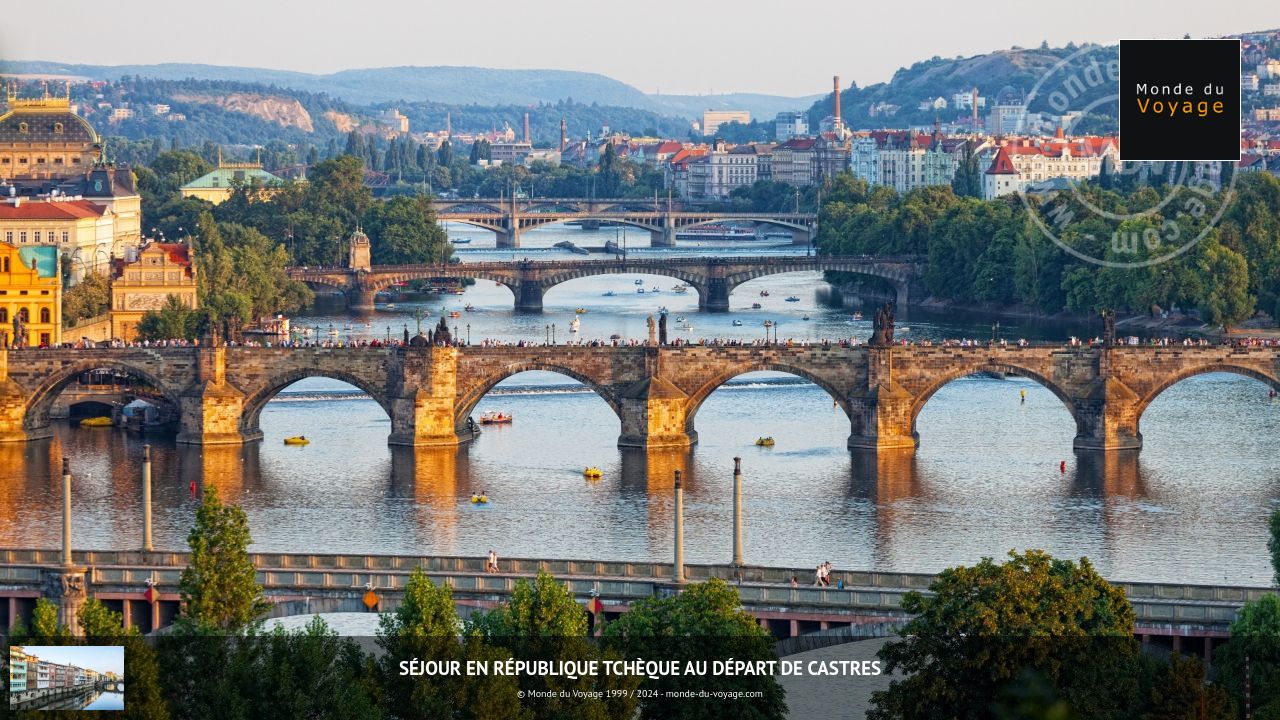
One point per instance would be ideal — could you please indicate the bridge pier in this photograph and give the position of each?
(422, 413)
(1107, 417)
(360, 298)
(882, 419)
(210, 411)
(664, 237)
(802, 237)
(529, 297)
(654, 416)
(714, 296)
(13, 404)
(509, 237)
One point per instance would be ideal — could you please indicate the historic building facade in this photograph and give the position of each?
(146, 282)
(30, 296)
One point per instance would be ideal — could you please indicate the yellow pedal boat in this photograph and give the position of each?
(297, 440)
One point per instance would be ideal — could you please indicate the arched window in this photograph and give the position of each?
(45, 316)
(4, 315)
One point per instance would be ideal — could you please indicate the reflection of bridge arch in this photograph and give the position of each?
(257, 399)
(699, 396)
(1216, 367)
(40, 402)
(470, 397)
(922, 397)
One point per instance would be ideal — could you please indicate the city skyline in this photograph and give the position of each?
(101, 658)
(878, 41)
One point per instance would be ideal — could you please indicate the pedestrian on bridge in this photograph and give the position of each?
(492, 566)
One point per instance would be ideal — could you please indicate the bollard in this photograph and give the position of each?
(737, 513)
(677, 568)
(66, 511)
(146, 499)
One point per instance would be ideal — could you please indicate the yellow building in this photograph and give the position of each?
(145, 283)
(30, 296)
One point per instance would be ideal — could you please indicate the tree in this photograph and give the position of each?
(987, 625)
(87, 299)
(967, 181)
(426, 626)
(1253, 645)
(1180, 691)
(44, 622)
(1273, 543)
(173, 321)
(219, 586)
(705, 622)
(404, 230)
(542, 621)
(101, 626)
(1225, 299)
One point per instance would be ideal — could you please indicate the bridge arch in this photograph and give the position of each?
(256, 400)
(472, 396)
(699, 396)
(922, 397)
(41, 400)
(1205, 369)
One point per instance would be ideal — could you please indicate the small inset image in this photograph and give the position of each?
(66, 677)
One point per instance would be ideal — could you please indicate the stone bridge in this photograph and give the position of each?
(713, 278)
(430, 392)
(507, 218)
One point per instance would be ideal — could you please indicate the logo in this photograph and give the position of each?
(1128, 213)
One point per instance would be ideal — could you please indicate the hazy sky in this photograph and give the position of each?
(681, 46)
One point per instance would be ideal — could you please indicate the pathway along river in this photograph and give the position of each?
(1191, 508)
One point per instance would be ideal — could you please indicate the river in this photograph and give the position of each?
(1192, 507)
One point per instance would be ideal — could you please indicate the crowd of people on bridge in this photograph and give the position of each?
(682, 342)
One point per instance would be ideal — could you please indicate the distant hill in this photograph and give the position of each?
(1016, 69)
(437, 85)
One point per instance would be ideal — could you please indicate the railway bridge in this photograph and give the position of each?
(656, 391)
(713, 278)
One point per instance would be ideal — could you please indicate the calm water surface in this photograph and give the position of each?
(1191, 508)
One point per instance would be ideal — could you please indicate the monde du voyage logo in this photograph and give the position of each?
(1180, 100)
(1179, 111)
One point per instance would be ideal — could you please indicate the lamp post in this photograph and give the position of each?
(66, 512)
(677, 567)
(468, 333)
(553, 333)
(146, 499)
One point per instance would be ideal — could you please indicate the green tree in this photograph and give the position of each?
(1273, 543)
(985, 626)
(87, 299)
(542, 621)
(426, 627)
(1225, 299)
(219, 586)
(1254, 644)
(967, 181)
(101, 626)
(1181, 693)
(704, 622)
(404, 230)
(173, 321)
(45, 625)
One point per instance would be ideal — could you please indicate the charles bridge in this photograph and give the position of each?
(430, 392)
(508, 217)
(714, 278)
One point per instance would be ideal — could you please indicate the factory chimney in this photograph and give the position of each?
(835, 83)
(526, 127)
(563, 135)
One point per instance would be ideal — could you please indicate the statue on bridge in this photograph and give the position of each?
(1108, 328)
(442, 335)
(653, 331)
(662, 329)
(19, 329)
(882, 326)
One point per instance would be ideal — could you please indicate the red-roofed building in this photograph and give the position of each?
(81, 230)
(145, 282)
(1001, 178)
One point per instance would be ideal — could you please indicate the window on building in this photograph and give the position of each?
(22, 127)
(22, 236)
(57, 128)
(8, 236)
(4, 314)
(66, 237)
(37, 238)
(44, 338)
(45, 316)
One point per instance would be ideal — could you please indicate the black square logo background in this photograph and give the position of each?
(1181, 136)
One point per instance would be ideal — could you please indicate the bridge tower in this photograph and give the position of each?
(509, 235)
(360, 296)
